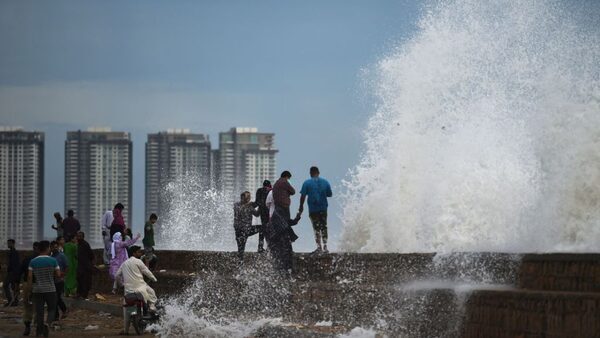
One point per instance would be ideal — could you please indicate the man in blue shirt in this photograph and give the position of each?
(317, 189)
(44, 268)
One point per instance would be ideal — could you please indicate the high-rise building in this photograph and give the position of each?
(171, 155)
(98, 167)
(246, 159)
(21, 185)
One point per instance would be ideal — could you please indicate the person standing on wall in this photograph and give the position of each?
(149, 258)
(242, 222)
(118, 223)
(282, 190)
(261, 199)
(59, 224)
(318, 190)
(70, 225)
(105, 223)
(279, 235)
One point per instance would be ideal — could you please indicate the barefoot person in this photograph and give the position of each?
(317, 189)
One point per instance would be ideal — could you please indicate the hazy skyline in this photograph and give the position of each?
(292, 68)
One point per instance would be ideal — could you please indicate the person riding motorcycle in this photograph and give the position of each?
(131, 274)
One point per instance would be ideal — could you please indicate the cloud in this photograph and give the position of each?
(143, 105)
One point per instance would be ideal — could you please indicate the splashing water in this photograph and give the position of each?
(486, 138)
(196, 218)
(486, 135)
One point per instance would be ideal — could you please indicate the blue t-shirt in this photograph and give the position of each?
(43, 268)
(317, 189)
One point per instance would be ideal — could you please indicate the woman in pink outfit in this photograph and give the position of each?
(119, 254)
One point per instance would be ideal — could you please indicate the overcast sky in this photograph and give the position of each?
(289, 67)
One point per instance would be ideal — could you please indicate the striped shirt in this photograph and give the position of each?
(43, 268)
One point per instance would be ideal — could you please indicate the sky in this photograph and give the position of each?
(295, 68)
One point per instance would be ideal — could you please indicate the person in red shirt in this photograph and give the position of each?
(282, 190)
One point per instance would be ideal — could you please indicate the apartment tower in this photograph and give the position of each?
(246, 159)
(21, 185)
(175, 154)
(98, 174)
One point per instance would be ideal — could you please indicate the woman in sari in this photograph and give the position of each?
(71, 276)
(118, 254)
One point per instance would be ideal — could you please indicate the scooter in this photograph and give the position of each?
(135, 312)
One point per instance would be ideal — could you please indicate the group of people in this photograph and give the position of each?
(127, 263)
(54, 268)
(66, 266)
(272, 205)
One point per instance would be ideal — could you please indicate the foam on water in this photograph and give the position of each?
(486, 134)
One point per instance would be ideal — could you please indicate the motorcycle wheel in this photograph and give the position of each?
(138, 324)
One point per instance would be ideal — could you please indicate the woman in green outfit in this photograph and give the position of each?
(71, 277)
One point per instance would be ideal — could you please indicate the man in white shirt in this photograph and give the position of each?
(105, 223)
(270, 203)
(132, 272)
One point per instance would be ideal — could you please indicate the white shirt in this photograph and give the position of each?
(133, 271)
(269, 202)
(107, 219)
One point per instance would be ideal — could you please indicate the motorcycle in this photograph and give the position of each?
(135, 312)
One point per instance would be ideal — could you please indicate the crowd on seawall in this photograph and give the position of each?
(65, 267)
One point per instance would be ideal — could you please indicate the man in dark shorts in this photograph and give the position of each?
(317, 189)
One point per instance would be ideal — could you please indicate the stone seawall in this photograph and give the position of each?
(552, 295)
(521, 313)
